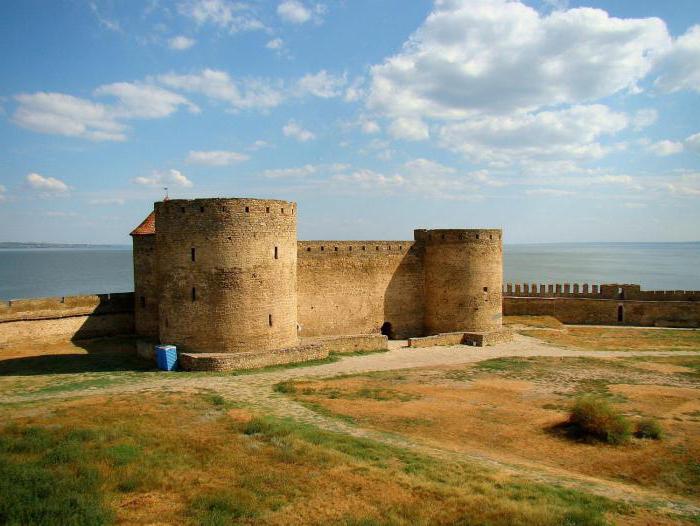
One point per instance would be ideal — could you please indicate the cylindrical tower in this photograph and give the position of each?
(227, 274)
(463, 279)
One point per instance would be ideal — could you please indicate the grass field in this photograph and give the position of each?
(91, 435)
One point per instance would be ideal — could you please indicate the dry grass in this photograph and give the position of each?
(511, 410)
(613, 339)
(191, 459)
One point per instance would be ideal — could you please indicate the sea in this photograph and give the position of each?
(47, 272)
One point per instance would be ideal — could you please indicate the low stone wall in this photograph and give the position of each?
(586, 311)
(251, 360)
(477, 339)
(67, 318)
(351, 343)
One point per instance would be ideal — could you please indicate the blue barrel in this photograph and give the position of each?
(166, 357)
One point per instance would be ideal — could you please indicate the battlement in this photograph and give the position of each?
(353, 248)
(39, 308)
(611, 291)
(457, 235)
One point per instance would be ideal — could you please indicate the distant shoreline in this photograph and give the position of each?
(18, 245)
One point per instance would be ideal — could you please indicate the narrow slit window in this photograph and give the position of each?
(201, 209)
(247, 209)
(194, 294)
(276, 253)
(282, 210)
(182, 209)
(620, 313)
(269, 320)
(193, 254)
(308, 249)
(267, 209)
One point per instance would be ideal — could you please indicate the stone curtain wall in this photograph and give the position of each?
(227, 274)
(353, 287)
(463, 279)
(67, 318)
(610, 304)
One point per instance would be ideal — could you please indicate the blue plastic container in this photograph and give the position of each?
(166, 357)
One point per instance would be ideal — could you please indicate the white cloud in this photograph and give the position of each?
(370, 180)
(692, 143)
(296, 12)
(294, 130)
(679, 67)
(143, 101)
(302, 171)
(169, 177)
(409, 129)
(47, 185)
(258, 145)
(572, 133)
(233, 16)
(180, 43)
(215, 157)
(665, 148)
(687, 185)
(369, 126)
(355, 91)
(321, 84)
(61, 114)
(275, 43)
(549, 192)
(476, 56)
(644, 118)
(247, 93)
(108, 201)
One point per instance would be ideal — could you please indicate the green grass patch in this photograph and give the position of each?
(649, 428)
(593, 418)
(503, 364)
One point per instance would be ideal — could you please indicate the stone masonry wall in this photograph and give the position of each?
(145, 286)
(67, 318)
(354, 287)
(227, 274)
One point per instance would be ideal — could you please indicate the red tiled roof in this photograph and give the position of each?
(147, 226)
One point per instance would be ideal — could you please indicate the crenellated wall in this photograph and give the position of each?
(607, 304)
(66, 318)
(354, 287)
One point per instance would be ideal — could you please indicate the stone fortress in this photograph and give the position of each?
(220, 276)
(227, 281)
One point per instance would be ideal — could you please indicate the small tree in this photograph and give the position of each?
(593, 418)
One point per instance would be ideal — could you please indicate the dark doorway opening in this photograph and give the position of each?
(620, 313)
(387, 330)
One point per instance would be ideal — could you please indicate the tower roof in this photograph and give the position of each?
(147, 226)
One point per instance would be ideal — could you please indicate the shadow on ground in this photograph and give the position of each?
(98, 355)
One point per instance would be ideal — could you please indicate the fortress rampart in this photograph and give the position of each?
(608, 304)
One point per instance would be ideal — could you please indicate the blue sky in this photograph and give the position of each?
(554, 120)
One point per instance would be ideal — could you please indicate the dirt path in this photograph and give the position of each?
(257, 389)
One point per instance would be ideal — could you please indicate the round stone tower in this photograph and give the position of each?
(463, 279)
(227, 274)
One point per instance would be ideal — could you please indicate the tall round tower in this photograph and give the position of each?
(463, 279)
(227, 274)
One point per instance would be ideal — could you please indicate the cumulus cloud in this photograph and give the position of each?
(571, 133)
(295, 131)
(61, 114)
(679, 67)
(409, 129)
(321, 84)
(493, 56)
(249, 93)
(275, 43)
(644, 118)
(216, 157)
(181, 43)
(143, 101)
(57, 113)
(692, 143)
(296, 12)
(369, 126)
(164, 178)
(107, 201)
(665, 148)
(234, 17)
(46, 185)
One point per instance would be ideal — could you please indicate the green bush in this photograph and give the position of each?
(649, 428)
(593, 418)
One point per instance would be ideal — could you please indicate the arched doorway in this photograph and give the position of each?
(620, 314)
(387, 330)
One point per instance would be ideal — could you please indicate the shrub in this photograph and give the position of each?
(649, 428)
(594, 418)
(286, 387)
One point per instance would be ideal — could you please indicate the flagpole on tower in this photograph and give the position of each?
(166, 193)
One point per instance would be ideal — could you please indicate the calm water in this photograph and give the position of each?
(32, 273)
